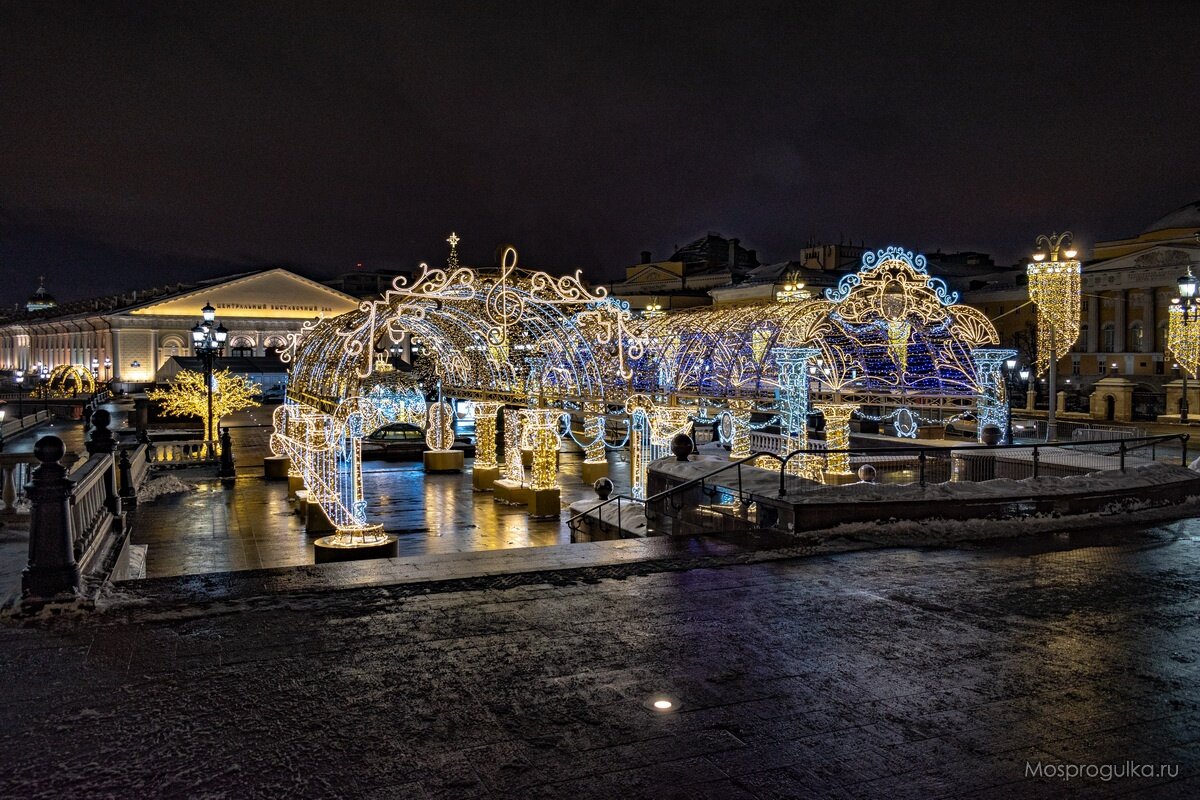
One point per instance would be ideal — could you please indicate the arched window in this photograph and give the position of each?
(241, 346)
(1137, 338)
(1081, 344)
(169, 347)
(272, 345)
(1110, 337)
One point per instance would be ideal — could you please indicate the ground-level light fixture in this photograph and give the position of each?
(662, 704)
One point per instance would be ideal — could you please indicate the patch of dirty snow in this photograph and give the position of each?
(166, 484)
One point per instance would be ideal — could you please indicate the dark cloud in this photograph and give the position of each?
(201, 136)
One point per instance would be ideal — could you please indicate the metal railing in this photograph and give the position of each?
(923, 465)
(573, 522)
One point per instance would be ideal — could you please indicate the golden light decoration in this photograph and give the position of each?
(68, 380)
(186, 395)
(499, 335)
(593, 432)
(837, 434)
(485, 434)
(542, 425)
(739, 414)
(1055, 287)
(439, 429)
(1183, 339)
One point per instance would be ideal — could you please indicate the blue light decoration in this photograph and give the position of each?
(992, 405)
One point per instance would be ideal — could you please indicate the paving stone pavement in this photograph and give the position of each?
(879, 674)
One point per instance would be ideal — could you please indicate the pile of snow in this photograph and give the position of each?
(936, 532)
(765, 483)
(1144, 475)
(632, 514)
(167, 484)
(137, 561)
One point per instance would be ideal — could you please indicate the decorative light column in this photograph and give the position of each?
(794, 400)
(486, 471)
(992, 403)
(837, 435)
(544, 494)
(1183, 335)
(208, 340)
(739, 415)
(595, 462)
(1054, 288)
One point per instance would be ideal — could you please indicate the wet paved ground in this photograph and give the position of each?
(252, 525)
(881, 674)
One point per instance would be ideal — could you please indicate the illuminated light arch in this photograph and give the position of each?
(889, 335)
(69, 380)
(501, 337)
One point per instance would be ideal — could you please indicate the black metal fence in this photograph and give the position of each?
(730, 485)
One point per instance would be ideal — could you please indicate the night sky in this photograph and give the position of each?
(151, 143)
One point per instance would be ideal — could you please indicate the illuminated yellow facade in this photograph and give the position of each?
(129, 337)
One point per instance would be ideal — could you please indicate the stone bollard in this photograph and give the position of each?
(682, 446)
(128, 490)
(101, 440)
(227, 469)
(52, 569)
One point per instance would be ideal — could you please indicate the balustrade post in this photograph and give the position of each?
(128, 490)
(102, 441)
(52, 569)
(8, 477)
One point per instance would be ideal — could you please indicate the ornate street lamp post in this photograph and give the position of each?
(1054, 288)
(1010, 368)
(44, 376)
(208, 340)
(1183, 335)
(19, 377)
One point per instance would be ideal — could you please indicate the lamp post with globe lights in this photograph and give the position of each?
(208, 340)
(1183, 335)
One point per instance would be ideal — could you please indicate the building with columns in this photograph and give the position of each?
(131, 336)
(1128, 285)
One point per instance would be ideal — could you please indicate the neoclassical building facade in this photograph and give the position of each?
(129, 337)
(1127, 287)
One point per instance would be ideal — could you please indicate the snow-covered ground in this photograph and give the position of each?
(631, 516)
(165, 484)
(766, 484)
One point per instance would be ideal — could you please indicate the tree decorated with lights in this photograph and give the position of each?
(187, 396)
